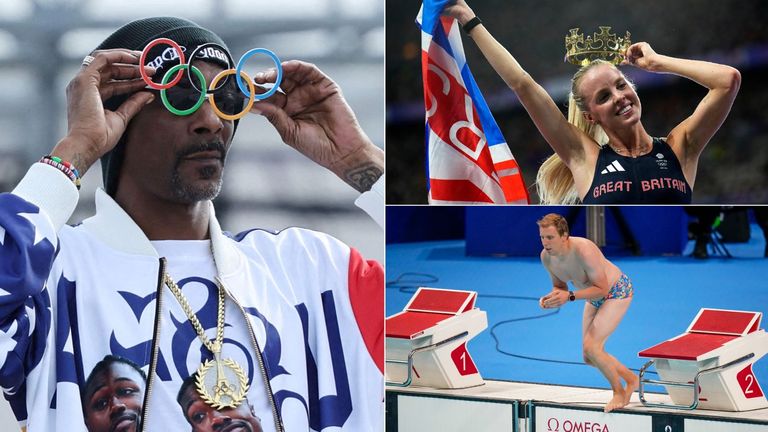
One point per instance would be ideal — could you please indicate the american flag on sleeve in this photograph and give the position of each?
(468, 160)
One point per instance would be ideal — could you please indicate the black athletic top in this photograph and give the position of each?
(653, 178)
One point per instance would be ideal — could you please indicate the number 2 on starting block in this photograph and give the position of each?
(748, 383)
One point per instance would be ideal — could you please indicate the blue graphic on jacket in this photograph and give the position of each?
(185, 334)
(136, 302)
(138, 352)
(26, 257)
(69, 364)
(272, 350)
(329, 410)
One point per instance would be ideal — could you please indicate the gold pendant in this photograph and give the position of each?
(221, 383)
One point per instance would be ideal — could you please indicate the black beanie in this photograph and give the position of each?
(135, 36)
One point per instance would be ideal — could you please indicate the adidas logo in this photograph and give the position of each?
(612, 167)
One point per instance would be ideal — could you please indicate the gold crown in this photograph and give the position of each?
(604, 46)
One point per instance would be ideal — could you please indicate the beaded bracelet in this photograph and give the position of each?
(68, 166)
(63, 166)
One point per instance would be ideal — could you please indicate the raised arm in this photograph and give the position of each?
(39, 206)
(314, 118)
(690, 137)
(564, 138)
(92, 130)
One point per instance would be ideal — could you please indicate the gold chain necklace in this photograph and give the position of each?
(228, 386)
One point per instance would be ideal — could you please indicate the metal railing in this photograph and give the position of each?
(409, 361)
(694, 385)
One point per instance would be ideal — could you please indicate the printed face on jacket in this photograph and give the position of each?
(203, 418)
(113, 396)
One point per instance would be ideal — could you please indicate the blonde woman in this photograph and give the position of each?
(603, 154)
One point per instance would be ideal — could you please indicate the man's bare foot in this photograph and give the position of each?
(616, 402)
(632, 385)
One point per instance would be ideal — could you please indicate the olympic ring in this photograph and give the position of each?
(230, 62)
(143, 58)
(164, 96)
(205, 90)
(248, 55)
(251, 98)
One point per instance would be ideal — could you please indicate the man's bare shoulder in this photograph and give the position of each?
(585, 247)
(582, 244)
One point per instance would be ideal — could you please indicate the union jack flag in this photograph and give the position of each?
(468, 159)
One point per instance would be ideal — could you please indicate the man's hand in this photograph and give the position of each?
(92, 130)
(313, 117)
(554, 299)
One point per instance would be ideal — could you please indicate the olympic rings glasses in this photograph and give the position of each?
(229, 99)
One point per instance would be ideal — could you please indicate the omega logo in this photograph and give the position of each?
(553, 425)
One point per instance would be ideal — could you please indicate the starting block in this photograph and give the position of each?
(710, 365)
(426, 343)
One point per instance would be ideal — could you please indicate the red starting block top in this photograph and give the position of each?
(406, 324)
(688, 346)
(709, 330)
(725, 322)
(428, 307)
(441, 301)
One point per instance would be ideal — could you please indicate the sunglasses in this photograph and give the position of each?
(181, 96)
(227, 97)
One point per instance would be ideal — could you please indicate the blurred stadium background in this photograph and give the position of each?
(267, 184)
(732, 169)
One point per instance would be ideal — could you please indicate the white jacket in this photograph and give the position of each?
(71, 295)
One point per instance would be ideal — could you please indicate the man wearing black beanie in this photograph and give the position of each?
(290, 322)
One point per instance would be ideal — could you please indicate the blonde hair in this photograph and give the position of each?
(554, 181)
(555, 220)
